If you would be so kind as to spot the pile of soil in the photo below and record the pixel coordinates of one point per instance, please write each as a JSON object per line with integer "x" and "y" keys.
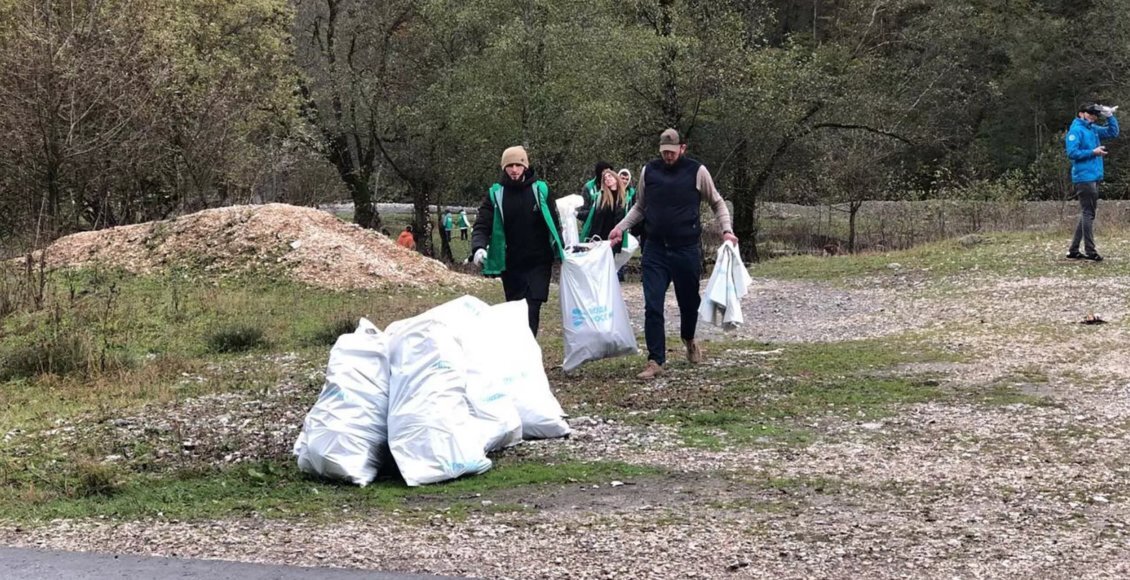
{"x": 309, "y": 246}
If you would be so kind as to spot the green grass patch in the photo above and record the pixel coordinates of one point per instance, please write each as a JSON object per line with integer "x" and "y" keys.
{"x": 1037, "y": 253}
{"x": 278, "y": 489}
{"x": 718, "y": 430}
{"x": 745, "y": 399}
{"x": 109, "y": 339}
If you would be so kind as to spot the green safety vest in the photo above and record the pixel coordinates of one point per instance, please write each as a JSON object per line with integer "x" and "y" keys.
{"x": 496, "y": 251}
{"x": 594, "y": 196}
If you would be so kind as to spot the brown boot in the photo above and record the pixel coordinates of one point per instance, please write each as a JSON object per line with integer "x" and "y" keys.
{"x": 694, "y": 352}
{"x": 652, "y": 370}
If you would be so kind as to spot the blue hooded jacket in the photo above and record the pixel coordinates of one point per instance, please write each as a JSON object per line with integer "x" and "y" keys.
{"x": 1081, "y": 140}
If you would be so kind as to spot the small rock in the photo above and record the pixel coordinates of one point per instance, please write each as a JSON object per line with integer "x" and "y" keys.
{"x": 584, "y": 421}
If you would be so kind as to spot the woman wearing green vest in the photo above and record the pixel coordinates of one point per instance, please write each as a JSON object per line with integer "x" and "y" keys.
{"x": 605, "y": 210}
{"x": 517, "y": 235}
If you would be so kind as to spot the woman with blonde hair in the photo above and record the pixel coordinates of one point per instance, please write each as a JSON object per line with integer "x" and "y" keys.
{"x": 603, "y": 211}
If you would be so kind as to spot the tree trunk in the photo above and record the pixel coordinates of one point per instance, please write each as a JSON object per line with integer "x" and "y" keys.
{"x": 853, "y": 211}
{"x": 421, "y": 202}
{"x": 745, "y": 205}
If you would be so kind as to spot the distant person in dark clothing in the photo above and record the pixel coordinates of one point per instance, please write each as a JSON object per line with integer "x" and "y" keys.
{"x": 670, "y": 192}
{"x": 517, "y": 234}
{"x": 1086, "y": 154}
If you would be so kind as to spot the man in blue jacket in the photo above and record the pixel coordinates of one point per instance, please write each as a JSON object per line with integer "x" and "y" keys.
{"x": 1086, "y": 154}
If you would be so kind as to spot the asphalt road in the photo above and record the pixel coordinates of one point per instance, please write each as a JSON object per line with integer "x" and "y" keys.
{"x": 21, "y": 564}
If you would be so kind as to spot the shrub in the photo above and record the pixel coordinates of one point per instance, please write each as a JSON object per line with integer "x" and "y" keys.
{"x": 95, "y": 480}
{"x": 328, "y": 333}
{"x": 235, "y": 338}
{"x": 57, "y": 355}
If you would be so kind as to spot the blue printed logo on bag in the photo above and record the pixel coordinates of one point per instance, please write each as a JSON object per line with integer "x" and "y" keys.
{"x": 596, "y": 315}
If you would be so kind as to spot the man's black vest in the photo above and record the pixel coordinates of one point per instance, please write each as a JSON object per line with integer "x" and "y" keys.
{"x": 671, "y": 202}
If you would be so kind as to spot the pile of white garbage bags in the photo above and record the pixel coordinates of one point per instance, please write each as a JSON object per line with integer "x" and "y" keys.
{"x": 436, "y": 393}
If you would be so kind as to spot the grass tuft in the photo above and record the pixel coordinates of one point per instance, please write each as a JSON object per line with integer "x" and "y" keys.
{"x": 239, "y": 337}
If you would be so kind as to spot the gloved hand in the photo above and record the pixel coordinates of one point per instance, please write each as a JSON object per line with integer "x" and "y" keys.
{"x": 1108, "y": 111}
{"x": 480, "y": 255}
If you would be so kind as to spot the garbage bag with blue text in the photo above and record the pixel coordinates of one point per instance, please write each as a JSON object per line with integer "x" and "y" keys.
{"x": 593, "y": 313}
{"x": 345, "y": 433}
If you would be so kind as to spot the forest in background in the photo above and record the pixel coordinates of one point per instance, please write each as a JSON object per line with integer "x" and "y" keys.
{"x": 122, "y": 111}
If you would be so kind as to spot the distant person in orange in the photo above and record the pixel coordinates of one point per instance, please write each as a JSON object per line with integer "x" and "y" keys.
{"x": 406, "y": 239}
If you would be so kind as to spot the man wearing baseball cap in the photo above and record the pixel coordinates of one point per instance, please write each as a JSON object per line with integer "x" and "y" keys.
{"x": 1086, "y": 154}
{"x": 668, "y": 197}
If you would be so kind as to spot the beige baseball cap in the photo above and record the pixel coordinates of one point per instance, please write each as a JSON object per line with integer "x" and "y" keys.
{"x": 669, "y": 140}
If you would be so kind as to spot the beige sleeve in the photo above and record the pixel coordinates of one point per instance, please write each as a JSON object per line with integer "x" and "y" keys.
{"x": 711, "y": 196}
{"x": 635, "y": 215}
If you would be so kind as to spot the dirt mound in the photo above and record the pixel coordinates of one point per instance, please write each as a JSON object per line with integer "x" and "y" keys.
{"x": 309, "y": 245}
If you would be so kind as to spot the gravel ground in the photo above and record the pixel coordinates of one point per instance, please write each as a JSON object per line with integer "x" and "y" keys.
{"x": 938, "y": 490}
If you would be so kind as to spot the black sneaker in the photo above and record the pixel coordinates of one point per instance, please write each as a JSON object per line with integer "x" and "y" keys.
{"x": 1093, "y": 257}
{"x": 1075, "y": 256}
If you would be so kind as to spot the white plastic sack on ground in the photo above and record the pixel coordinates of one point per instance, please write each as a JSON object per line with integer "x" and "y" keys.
{"x": 518, "y": 362}
{"x": 626, "y": 253}
{"x": 345, "y": 433}
{"x": 485, "y": 365}
{"x": 594, "y": 316}
{"x": 461, "y": 315}
{"x": 729, "y": 282}
{"x": 567, "y": 212}
{"x": 432, "y": 432}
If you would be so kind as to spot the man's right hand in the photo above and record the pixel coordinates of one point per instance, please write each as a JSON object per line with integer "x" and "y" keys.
{"x": 615, "y": 236}
{"x": 480, "y": 255}
{"x": 1099, "y": 151}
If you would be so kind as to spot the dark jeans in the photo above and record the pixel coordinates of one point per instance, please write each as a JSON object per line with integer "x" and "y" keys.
{"x": 532, "y": 284}
{"x": 662, "y": 266}
{"x": 1088, "y": 194}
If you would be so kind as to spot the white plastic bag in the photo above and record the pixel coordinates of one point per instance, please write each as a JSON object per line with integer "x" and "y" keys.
{"x": 729, "y": 282}
{"x": 626, "y": 253}
{"x": 432, "y": 431}
{"x": 594, "y": 316}
{"x": 567, "y": 212}
{"x": 520, "y": 371}
{"x": 486, "y": 395}
{"x": 345, "y": 433}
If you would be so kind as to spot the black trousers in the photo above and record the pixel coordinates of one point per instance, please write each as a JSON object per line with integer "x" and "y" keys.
{"x": 531, "y": 284}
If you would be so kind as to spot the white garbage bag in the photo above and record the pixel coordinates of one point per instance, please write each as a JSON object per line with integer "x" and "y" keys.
{"x": 567, "y": 213}
{"x": 485, "y": 366}
{"x": 432, "y": 431}
{"x": 345, "y": 433}
{"x": 517, "y": 358}
{"x": 729, "y": 282}
{"x": 594, "y": 316}
{"x": 627, "y": 252}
